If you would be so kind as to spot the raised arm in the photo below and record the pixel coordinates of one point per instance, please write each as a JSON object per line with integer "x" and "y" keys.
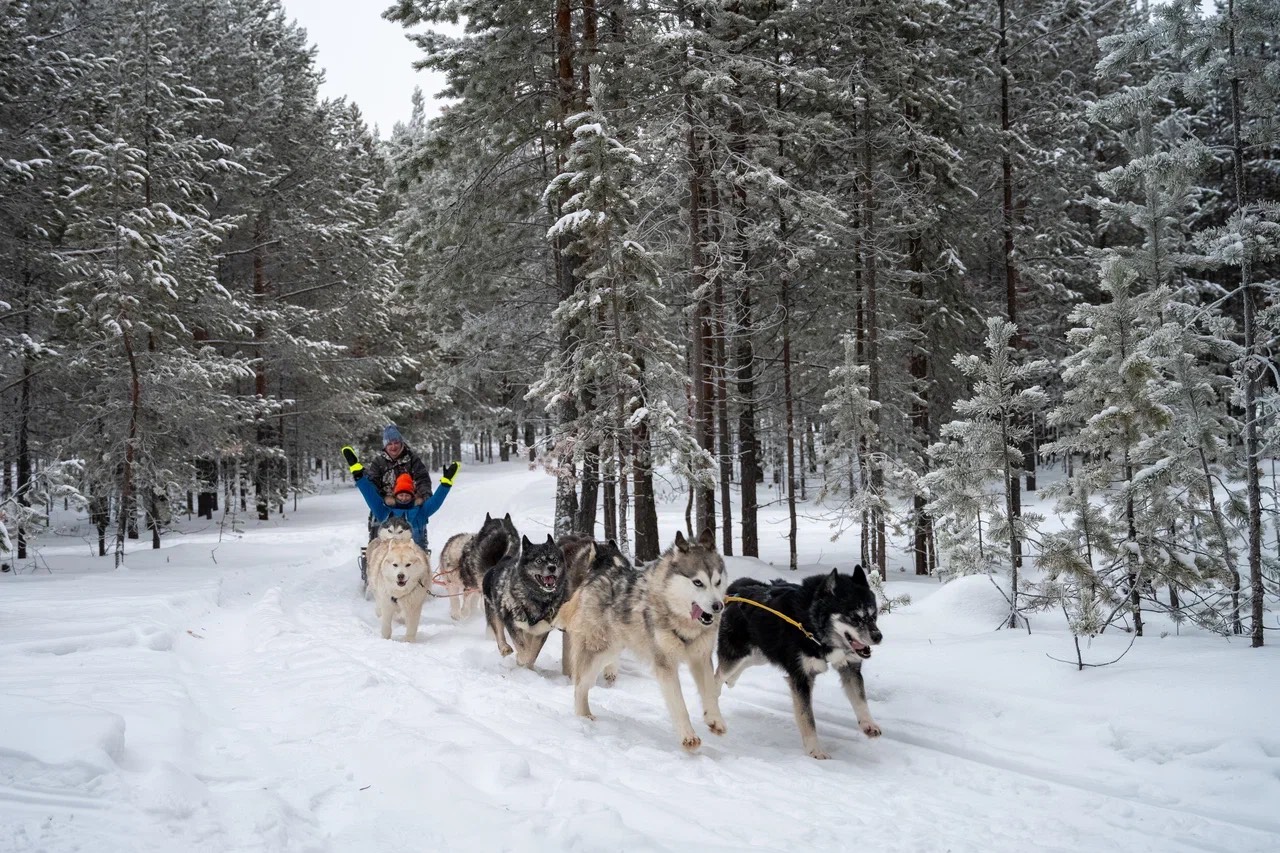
{"x": 429, "y": 508}
{"x": 365, "y": 485}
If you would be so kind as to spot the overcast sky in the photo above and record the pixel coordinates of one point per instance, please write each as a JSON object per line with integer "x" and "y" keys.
{"x": 365, "y": 57}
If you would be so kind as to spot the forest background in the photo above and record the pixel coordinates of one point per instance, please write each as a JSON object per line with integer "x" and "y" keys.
{"x": 883, "y": 261}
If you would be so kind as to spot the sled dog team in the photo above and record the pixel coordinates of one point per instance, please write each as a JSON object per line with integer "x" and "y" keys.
{"x": 668, "y": 613}
{"x": 674, "y": 611}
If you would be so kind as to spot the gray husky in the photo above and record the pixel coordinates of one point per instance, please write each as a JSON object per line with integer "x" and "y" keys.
{"x": 467, "y": 556}
{"x": 832, "y": 624}
{"x": 582, "y": 556}
{"x": 522, "y": 594}
{"x": 666, "y": 613}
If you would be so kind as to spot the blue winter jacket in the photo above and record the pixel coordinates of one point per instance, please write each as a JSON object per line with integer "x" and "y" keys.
{"x": 416, "y": 515}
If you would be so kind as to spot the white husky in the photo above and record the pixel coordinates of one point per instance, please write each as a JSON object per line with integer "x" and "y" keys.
{"x": 399, "y": 582}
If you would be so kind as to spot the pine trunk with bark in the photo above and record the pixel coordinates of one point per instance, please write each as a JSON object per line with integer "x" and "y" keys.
{"x": 1252, "y": 355}
{"x": 790, "y": 422}
{"x": 1010, "y": 268}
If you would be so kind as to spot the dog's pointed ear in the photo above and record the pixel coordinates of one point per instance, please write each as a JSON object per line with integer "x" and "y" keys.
{"x": 613, "y": 543}
{"x": 551, "y": 540}
{"x": 682, "y": 544}
{"x": 859, "y": 576}
{"x": 525, "y": 543}
{"x": 487, "y": 519}
{"x": 829, "y": 583}
{"x": 507, "y": 519}
{"x": 707, "y": 539}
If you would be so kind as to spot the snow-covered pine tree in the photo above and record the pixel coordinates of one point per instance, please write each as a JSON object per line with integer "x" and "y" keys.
{"x": 1236, "y": 64}
{"x": 985, "y": 446}
{"x": 47, "y": 77}
{"x": 1119, "y": 416}
{"x": 473, "y": 222}
{"x": 1227, "y": 63}
{"x": 624, "y": 358}
{"x": 1151, "y": 203}
{"x": 138, "y": 255}
{"x": 847, "y": 410}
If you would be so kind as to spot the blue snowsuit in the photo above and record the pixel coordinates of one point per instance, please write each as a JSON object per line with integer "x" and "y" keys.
{"x": 416, "y": 515}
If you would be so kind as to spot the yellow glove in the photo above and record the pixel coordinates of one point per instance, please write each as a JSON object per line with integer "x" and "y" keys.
{"x": 450, "y": 471}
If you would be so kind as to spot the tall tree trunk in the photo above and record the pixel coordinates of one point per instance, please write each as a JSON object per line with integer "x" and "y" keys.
{"x": 1006, "y": 209}
{"x": 1252, "y": 354}
{"x": 1010, "y": 488}
{"x": 802, "y": 448}
{"x": 872, "y": 324}
{"x": 790, "y": 423}
{"x": 609, "y": 481}
{"x": 647, "y": 547}
{"x": 128, "y": 504}
{"x": 722, "y": 413}
{"x": 701, "y": 348}
{"x": 587, "y": 503}
{"x": 153, "y": 518}
{"x": 918, "y": 367}
{"x": 264, "y": 471}
{"x": 566, "y": 510}
{"x": 624, "y": 496}
{"x": 1131, "y": 555}
{"x": 23, "y": 482}
{"x": 743, "y": 350}
{"x": 748, "y": 448}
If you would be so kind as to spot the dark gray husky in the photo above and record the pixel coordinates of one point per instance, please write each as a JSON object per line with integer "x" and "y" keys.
{"x": 467, "y": 556}
{"x": 836, "y": 616}
{"x": 522, "y": 594}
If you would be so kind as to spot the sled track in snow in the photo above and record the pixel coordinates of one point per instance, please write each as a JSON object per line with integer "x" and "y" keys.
{"x": 853, "y": 733}
{"x": 313, "y": 614}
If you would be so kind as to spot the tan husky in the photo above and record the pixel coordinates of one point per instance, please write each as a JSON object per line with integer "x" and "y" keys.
{"x": 399, "y": 581}
{"x": 666, "y": 613}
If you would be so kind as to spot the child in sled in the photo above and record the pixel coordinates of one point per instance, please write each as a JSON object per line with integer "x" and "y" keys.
{"x": 402, "y": 500}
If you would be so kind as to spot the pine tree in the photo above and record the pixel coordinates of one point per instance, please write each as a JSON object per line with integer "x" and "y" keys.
{"x": 623, "y": 355}
{"x": 983, "y": 447}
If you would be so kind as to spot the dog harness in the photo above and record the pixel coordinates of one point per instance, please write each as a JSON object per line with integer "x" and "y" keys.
{"x": 784, "y": 617}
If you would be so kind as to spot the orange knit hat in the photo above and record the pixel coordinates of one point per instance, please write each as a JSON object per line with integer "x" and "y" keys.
{"x": 404, "y": 483}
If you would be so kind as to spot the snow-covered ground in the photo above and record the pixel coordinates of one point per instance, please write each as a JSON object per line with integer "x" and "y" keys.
{"x": 232, "y": 694}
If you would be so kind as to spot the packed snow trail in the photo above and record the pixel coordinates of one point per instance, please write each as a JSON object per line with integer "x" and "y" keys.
{"x": 249, "y": 704}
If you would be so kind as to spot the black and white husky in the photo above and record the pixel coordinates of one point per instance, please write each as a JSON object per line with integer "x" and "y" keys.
{"x": 838, "y": 615}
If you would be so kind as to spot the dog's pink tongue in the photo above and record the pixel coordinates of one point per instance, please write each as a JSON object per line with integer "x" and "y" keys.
{"x": 696, "y": 612}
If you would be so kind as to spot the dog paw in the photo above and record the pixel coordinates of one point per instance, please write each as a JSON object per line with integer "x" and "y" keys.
{"x": 505, "y": 650}
{"x": 717, "y": 726}
{"x": 691, "y": 742}
{"x": 610, "y": 678}
{"x": 870, "y": 729}
{"x": 819, "y": 754}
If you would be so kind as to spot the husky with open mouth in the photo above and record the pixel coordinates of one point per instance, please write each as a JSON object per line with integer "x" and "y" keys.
{"x": 399, "y": 581}
{"x": 665, "y": 613}
{"x": 827, "y": 620}
{"x": 522, "y": 594}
